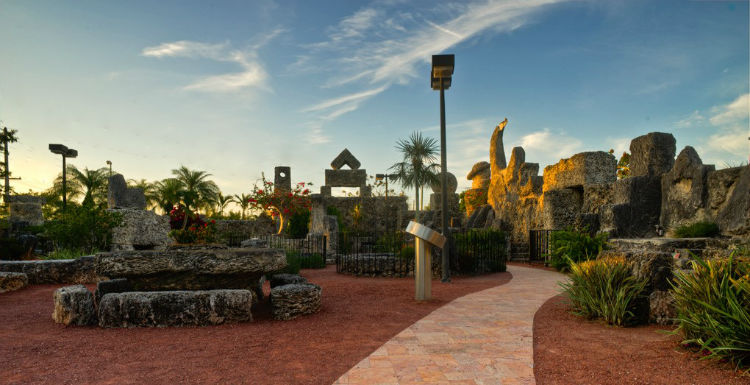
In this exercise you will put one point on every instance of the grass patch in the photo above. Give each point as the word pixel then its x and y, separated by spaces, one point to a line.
pixel 697 230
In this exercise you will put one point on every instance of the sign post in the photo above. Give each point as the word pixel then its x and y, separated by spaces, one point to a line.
pixel 424 238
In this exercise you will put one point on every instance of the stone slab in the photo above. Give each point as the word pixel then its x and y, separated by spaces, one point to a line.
pixel 175 308
pixel 191 269
pixel 79 270
pixel 346 178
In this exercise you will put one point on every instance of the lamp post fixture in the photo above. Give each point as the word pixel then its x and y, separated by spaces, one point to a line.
pixel 109 163
pixel 379 177
pixel 66 153
pixel 440 79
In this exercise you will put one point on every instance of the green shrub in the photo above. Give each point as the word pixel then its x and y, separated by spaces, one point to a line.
pixel 298 225
pixel 697 230
pixel 313 261
pixel 407 253
pixel 87 228
pixel 296 261
pixel 605 288
pixel 571 245
pixel 713 307
pixel 391 242
pixel 293 263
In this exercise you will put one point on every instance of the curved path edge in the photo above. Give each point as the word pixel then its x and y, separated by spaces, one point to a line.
pixel 481 338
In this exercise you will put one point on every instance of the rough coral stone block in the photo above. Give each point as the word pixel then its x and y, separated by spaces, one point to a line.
pixel 12 281
pixel 291 301
pixel 175 308
pixel 74 305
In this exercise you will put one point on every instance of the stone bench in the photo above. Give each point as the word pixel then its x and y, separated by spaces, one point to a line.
pixel 293 300
pixel 10 281
pixel 175 308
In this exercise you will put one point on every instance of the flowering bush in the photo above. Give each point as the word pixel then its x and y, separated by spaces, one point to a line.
pixel 281 203
pixel 192 230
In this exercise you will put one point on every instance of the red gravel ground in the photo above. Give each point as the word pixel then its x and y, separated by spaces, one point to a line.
pixel 358 315
pixel 572 350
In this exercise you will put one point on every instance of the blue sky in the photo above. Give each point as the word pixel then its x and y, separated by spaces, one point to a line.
pixel 236 88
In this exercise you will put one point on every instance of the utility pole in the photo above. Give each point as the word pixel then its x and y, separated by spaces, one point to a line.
pixel 7 138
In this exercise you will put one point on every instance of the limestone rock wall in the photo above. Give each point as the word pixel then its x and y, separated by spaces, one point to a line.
pixel 582 191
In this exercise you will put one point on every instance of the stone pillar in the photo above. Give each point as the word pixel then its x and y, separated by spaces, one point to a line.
pixel 282 179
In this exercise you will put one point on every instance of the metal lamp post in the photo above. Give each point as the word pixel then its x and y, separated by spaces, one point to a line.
pixel 109 163
pixel 440 79
pixel 66 153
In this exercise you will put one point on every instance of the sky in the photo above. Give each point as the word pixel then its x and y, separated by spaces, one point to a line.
pixel 236 88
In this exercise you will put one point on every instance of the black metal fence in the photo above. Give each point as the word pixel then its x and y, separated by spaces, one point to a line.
pixel 479 252
pixel 375 254
pixel 311 245
pixel 392 254
pixel 540 245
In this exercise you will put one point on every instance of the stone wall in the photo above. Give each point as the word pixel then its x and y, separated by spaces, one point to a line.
pixel 79 270
pixel 582 192
pixel 377 214
pixel 263 225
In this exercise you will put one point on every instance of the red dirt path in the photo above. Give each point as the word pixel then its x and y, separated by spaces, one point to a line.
pixel 572 350
pixel 357 316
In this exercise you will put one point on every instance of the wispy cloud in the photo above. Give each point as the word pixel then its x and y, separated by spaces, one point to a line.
pixel 731 122
pixel 384 45
pixel 695 118
pixel 540 144
pixel 252 75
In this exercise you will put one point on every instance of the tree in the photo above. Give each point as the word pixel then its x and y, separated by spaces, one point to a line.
pixel 221 202
pixel 92 183
pixel 244 202
pixel 168 192
pixel 281 203
pixel 417 168
pixel 197 188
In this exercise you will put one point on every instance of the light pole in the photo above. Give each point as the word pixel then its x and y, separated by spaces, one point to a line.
pixel 109 163
pixel 66 153
pixel 440 79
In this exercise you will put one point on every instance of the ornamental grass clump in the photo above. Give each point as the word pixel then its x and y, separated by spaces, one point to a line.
pixel 697 230
pixel 713 308
pixel 605 288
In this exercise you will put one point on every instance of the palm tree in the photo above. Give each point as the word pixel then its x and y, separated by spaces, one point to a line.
pixel 168 193
pixel 221 202
pixel 418 167
pixel 244 202
pixel 91 183
pixel 150 190
pixel 197 189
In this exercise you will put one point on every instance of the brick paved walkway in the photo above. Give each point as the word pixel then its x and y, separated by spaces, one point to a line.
pixel 482 338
